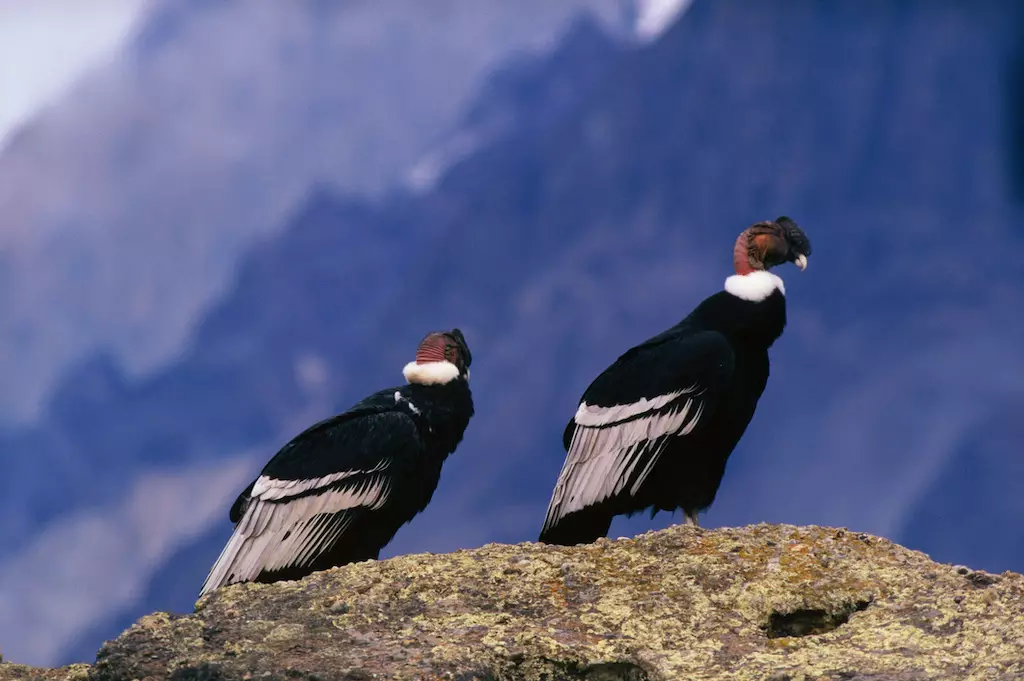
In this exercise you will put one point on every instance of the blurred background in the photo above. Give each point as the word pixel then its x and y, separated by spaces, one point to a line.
pixel 221 221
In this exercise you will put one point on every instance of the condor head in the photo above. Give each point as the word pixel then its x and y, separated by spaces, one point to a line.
pixel 771 243
pixel 442 357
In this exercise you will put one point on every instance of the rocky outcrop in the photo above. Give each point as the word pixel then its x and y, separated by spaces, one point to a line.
pixel 764 602
pixel 19 672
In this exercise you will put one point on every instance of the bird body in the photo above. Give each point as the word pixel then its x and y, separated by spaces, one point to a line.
pixel 339 491
pixel 655 429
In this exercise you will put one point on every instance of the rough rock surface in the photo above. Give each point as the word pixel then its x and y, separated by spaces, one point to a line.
pixel 19 672
pixel 765 602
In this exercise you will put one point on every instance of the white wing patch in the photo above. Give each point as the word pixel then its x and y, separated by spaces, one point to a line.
pixel 592 415
pixel 399 399
pixel 606 449
pixel 279 530
pixel 267 488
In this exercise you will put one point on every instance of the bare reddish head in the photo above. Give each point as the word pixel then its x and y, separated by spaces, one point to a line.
pixel 767 244
pixel 445 346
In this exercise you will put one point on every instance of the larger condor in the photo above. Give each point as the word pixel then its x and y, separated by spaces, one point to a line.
pixel 655 429
pixel 340 490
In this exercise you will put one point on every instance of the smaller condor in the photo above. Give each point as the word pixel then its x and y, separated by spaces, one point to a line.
pixel 655 429
pixel 339 491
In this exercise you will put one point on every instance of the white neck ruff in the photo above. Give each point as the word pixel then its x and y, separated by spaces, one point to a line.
pixel 755 286
pixel 430 373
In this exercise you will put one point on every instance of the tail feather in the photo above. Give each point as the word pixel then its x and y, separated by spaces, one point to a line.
pixel 244 556
pixel 223 570
pixel 581 527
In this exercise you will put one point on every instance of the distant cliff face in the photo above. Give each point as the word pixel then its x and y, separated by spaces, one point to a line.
pixel 761 602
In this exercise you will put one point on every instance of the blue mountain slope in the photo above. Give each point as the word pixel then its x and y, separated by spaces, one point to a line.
pixel 129 201
pixel 973 507
pixel 885 129
pixel 315 297
pixel 882 128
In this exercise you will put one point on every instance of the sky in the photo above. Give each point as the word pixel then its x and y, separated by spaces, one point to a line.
pixel 46 45
pixel 654 16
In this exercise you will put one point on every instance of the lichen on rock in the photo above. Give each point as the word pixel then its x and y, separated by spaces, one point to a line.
pixel 20 672
pixel 761 602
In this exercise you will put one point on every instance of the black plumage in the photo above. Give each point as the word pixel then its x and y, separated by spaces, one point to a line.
pixel 339 491
pixel 655 429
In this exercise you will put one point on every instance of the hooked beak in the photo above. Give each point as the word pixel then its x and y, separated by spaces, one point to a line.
pixel 801 262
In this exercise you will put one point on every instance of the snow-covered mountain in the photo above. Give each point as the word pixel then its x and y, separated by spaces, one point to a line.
pixel 593 201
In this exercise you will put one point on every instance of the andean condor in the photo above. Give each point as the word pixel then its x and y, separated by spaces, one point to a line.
pixel 340 490
pixel 654 430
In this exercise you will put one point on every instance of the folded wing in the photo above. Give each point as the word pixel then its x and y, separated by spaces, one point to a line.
pixel 665 388
pixel 309 495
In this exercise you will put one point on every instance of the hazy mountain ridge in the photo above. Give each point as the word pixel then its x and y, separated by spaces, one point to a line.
pixel 273 356
pixel 563 241
pixel 209 131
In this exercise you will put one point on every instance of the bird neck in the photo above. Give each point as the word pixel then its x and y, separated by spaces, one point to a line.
pixel 431 373
pixel 756 323
pixel 442 409
pixel 754 285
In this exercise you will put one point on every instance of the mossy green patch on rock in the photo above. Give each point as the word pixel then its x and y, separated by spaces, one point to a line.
pixel 760 602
